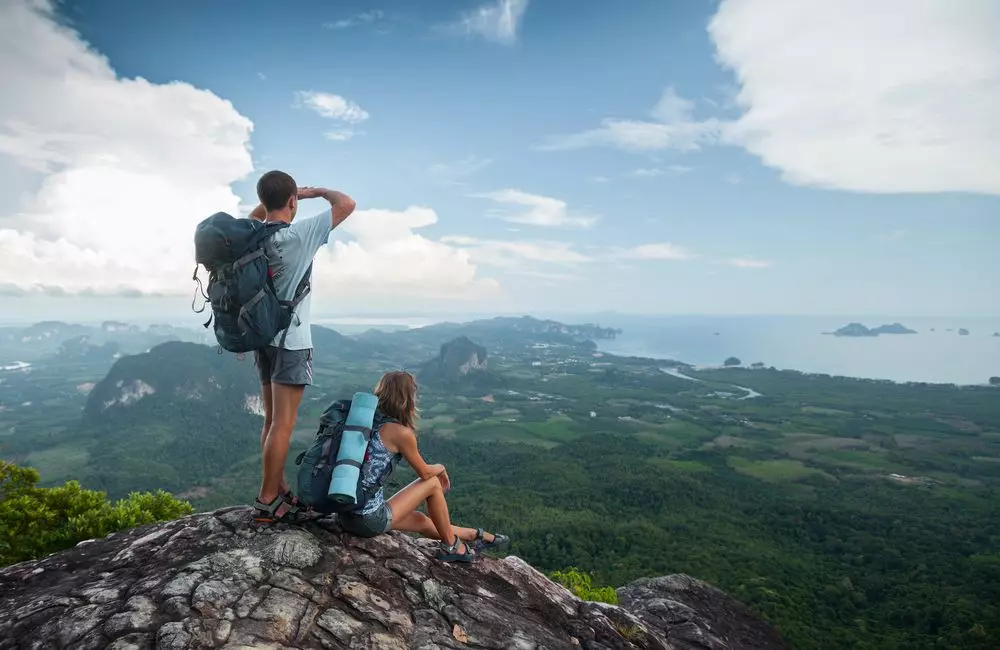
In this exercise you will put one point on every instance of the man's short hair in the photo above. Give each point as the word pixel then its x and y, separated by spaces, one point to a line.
pixel 275 188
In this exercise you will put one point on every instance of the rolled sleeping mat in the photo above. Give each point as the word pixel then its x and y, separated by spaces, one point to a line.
pixel 353 445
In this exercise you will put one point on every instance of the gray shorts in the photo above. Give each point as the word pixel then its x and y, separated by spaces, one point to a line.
pixel 294 367
pixel 369 525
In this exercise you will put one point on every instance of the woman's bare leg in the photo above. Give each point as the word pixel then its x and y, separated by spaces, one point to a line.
pixel 418 522
pixel 405 516
pixel 406 501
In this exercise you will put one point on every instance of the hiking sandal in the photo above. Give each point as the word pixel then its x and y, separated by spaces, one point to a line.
pixel 280 509
pixel 451 554
pixel 499 543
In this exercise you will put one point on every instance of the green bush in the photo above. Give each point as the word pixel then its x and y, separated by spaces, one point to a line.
pixel 37 521
pixel 580 584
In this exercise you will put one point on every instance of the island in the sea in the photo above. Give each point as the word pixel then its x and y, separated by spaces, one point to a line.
pixel 963 332
pixel 857 329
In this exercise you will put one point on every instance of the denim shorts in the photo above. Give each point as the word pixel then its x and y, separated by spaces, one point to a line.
pixel 369 525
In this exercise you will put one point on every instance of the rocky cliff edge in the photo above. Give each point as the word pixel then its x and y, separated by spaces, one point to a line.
pixel 214 580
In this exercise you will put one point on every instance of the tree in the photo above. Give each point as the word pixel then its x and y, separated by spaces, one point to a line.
pixel 580 583
pixel 37 521
pixel 732 361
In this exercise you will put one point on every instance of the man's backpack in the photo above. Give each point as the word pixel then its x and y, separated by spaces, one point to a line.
pixel 248 313
pixel 317 462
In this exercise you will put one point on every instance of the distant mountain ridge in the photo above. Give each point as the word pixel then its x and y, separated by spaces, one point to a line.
pixel 55 337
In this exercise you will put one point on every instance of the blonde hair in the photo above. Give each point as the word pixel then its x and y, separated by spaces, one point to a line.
pixel 397 397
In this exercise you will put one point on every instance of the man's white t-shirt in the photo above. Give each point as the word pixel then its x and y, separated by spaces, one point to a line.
pixel 290 252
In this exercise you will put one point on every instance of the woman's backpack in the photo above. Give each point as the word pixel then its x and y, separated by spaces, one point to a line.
pixel 247 312
pixel 317 462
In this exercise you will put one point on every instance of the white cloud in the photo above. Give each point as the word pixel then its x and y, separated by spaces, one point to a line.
pixel 657 251
pixel 365 18
pixel 454 173
pixel 513 254
pixel 888 96
pixel 332 106
pixel 262 76
pixel 599 179
pixel 749 263
pixel 388 257
pixel 734 179
pixel 121 190
pixel 339 135
pixel 496 21
pixel 673 127
pixel 541 210
pixel 660 171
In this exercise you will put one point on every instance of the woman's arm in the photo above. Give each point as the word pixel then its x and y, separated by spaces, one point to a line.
pixel 402 438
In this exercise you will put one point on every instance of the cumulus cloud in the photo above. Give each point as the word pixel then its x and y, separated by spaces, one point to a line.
pixel 120 191
pixel 888 96
pixel 538 210
pixel 386 256
pixel 893 96
pixel 672 126
pixel 496 21
pixel 332 106
pixel 122 188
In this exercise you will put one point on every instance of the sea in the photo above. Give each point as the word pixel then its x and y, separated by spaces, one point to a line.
pixel 937 353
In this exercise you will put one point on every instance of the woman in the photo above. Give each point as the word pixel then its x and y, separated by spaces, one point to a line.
pixel 397 400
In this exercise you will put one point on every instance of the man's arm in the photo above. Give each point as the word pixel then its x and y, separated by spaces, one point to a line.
pixel 258 213
pixel 341 206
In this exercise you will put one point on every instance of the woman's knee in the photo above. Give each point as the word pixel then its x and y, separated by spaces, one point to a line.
pixel 434 484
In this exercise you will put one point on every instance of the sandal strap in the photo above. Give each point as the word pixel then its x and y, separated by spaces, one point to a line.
pixel 479 534
pixel 274 508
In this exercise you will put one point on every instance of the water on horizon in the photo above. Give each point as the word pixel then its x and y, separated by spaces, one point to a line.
pixel 797 342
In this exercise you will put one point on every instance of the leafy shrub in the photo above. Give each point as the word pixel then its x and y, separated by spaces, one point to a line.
pixel 580 585
pixel 37 521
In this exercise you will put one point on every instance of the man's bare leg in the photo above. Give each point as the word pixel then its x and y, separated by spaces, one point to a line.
pixel 265 398
pixel 285 400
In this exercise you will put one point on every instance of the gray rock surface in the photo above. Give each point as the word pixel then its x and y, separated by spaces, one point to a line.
pixel 214 580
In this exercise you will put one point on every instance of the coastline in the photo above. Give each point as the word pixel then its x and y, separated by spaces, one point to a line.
pixel 643 352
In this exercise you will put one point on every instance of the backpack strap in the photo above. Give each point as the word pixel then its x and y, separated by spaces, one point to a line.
pixel 301 291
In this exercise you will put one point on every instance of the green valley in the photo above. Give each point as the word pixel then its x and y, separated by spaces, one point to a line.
pixel 850 513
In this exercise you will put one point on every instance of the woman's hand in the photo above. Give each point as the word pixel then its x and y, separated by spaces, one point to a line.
pixel 445 480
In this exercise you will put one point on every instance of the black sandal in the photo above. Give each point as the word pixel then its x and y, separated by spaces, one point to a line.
pixel 499 543
pixel 451 554
pixel 282 508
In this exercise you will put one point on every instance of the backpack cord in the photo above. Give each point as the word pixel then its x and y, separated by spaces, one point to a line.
pixel 199 289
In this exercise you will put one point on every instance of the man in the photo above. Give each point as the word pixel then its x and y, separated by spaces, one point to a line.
pixel 284 375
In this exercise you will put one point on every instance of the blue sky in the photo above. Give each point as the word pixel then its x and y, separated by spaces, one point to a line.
pixel 744 156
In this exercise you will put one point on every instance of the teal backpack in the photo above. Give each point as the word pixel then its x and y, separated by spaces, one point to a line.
pixel 339 448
